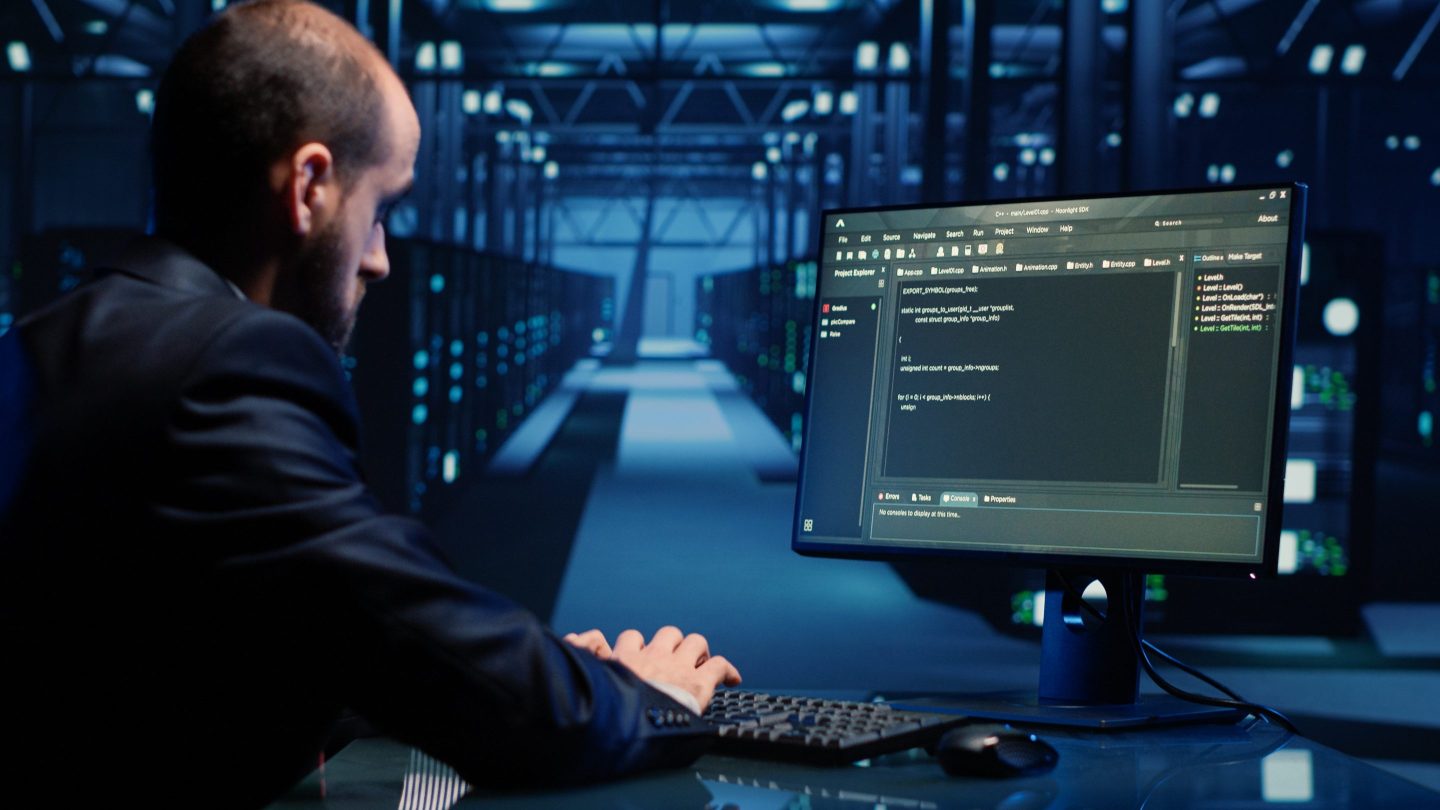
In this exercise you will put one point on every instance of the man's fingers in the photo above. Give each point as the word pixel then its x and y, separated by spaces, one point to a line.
pixel 675 658
pixel 667 638
pixel 694 648
pixel 591 640
pixel 628 642
pixel 719 670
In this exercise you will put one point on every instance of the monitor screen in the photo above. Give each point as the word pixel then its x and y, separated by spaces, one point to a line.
pixel 1099 381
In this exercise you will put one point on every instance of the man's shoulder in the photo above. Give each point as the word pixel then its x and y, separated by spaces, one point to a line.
pixel 156 297
pixel 122 336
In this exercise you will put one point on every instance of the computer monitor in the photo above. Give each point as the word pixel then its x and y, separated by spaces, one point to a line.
pixel 1097 386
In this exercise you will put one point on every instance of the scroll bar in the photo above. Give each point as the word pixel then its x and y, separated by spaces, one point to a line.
pixel 1175 324
pixel 870 415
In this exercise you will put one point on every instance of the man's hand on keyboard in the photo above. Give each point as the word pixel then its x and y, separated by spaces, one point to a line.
pixel 671 657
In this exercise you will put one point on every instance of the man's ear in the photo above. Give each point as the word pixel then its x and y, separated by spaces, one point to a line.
pixel 310 187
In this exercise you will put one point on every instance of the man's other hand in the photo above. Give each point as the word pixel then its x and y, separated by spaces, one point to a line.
pixel 671 657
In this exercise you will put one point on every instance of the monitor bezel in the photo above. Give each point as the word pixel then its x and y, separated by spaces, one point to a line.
pixel 1265 568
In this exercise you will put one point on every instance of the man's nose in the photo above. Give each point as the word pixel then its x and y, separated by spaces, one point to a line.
pixel 375 264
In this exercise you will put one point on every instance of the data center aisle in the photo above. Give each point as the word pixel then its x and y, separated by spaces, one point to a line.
pixel 683 528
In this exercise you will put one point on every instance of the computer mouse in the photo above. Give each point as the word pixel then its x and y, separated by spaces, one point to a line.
pixel 994 751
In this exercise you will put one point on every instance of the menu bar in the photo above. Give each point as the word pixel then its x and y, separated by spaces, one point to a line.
pixel 871 239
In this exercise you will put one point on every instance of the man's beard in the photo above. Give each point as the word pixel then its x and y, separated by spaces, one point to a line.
pixel 317 289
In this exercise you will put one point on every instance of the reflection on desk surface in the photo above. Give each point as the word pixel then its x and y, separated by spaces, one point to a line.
pixel 1248 765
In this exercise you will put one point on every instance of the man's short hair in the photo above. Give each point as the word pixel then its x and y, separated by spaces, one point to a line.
pixel 261 79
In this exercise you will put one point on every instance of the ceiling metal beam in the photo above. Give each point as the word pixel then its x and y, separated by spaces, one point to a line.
pixel 52 25
pixel 1416 46
pixel 1296 26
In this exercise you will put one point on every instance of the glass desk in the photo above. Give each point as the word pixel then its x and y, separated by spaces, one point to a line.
pixel 1247 765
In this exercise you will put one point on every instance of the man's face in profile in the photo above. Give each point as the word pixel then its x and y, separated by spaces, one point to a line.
pixel 347 250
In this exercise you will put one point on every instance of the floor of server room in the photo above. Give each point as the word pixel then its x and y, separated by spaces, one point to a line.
pixel 658 493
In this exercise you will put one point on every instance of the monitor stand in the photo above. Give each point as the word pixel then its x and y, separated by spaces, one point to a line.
pixel 1089 670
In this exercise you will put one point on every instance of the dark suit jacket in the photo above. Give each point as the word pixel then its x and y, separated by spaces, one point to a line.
pixel 191 556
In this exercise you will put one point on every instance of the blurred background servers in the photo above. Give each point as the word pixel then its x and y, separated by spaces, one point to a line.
pixel 587 371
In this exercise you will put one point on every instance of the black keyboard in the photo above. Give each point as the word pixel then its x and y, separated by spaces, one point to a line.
pixel 818 731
